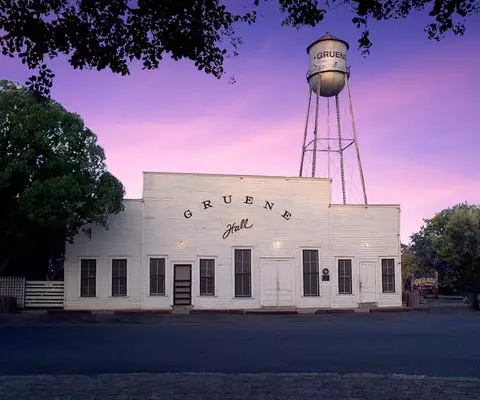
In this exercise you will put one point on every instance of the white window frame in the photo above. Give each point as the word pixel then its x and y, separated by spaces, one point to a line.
pixel 167 275
pixel 353 260
pixel 196 277
pixel 110 276
pixel 79 275
pixel 395 273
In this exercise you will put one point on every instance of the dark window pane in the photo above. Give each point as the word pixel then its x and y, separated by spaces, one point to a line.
pixel 246 285
pixel 207 277
pixel 242 260
pixel 311 273
pixel 238 285
pixel 238 256
pixel 211 286
pixel 88 278
pixel 388 275
pixel 211 269
pixel 243 269
pixel 157 276
pixel 119 277
pixel 315 284
pixel 306 255
pixel 345 276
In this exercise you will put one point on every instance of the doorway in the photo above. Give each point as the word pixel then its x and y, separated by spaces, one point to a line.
pixel 367 281
pixel 277 283
pixel 182 285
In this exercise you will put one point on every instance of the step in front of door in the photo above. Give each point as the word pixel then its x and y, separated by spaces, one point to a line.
pixel 181 309
pixel 367 305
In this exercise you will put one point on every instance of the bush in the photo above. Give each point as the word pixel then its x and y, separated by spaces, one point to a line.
pixel 8 304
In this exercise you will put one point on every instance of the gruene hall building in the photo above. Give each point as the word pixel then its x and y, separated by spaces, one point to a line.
pixel 224 242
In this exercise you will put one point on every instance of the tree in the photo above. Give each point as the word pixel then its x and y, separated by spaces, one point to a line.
pixel 422 246
pixel 53 177
pixel 411 264
pixel 450 242
pixel 111 33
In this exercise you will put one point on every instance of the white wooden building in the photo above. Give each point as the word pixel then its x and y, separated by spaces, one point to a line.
pixel 225 242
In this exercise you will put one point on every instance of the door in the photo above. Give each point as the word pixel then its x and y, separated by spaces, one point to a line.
pixel 182 285
pixel 367 281
pixel 277 283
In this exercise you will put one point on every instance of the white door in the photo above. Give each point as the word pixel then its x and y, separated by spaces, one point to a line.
pixel 367 281
pixel 285 283
pixel 269 283
pixel 277 283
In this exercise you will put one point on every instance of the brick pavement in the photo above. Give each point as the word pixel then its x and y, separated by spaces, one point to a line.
pixel 198 386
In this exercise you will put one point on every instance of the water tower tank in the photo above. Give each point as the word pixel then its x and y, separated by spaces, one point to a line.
pixel 328 63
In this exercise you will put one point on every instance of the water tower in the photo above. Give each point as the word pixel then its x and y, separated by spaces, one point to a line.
pixel 327 76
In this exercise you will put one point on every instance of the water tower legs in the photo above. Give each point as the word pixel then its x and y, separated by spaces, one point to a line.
pixel 315 130
pixel 354 130
pixel 340 149
pixel 329 173
pixel 327 144
pixel 302 161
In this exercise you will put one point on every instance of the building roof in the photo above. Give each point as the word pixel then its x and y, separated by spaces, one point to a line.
pixel 306 178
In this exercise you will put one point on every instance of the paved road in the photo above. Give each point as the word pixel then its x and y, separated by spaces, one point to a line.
pixel 237 387
pixel 407 343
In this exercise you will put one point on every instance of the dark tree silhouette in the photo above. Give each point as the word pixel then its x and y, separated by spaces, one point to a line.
pixel 103 34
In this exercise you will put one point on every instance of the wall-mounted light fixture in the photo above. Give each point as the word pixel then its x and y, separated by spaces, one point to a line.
pixel 181 244
pixel 276 244
pixel 365 245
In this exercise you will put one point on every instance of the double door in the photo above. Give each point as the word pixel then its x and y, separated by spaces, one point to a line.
pixel 277 283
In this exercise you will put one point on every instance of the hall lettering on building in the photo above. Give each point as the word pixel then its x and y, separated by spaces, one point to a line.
pixel 204 241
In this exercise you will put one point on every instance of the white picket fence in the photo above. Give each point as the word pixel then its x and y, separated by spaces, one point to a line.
pixel 44 294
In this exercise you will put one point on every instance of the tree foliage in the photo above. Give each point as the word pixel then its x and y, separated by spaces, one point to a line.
pixel 450 243
pixel 111 33
pixel 53 177
pixel 411 264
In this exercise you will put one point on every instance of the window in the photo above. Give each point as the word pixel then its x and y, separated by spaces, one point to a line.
pixel 119 277
pixel 207 277
pixel 310 273
pixel 345 276
pixel 243 273
pixel 157 276
pixel 388 275
pixel 88 278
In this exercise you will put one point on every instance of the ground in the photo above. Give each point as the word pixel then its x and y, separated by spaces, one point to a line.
pixel 239 386
pixel 401 352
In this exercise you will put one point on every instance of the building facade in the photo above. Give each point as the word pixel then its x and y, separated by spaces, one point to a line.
pixel 222 242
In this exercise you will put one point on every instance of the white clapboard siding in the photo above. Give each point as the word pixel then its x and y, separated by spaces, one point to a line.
pixel 183 218
pixel 44 294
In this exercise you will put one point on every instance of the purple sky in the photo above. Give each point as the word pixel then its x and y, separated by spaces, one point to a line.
pixel 415 100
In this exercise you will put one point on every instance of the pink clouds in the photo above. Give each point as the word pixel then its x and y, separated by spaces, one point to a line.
pixel 397 114
pixel 407 95
pixel 417 119
pixel 202 146
pixel 422 190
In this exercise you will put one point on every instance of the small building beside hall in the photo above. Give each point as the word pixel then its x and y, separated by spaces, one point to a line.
pixel 225 242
